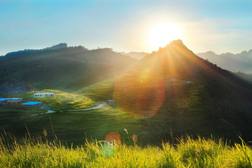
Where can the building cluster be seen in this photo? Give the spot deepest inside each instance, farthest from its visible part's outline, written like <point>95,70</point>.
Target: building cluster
<point>111,102</point>
<point>11,101</point>
<point>43,94</point>
<point>19,101</point>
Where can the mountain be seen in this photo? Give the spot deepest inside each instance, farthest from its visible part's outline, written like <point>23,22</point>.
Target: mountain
<point>137,55</point>
<point>173,91</point>
<point>63,68</point>
<point>233,62</point>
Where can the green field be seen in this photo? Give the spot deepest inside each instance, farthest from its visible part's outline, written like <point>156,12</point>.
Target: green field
<point>99,91</point>
<point>75,127</point>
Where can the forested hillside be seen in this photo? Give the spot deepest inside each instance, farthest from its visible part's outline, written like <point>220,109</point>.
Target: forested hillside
<point>65,69</point>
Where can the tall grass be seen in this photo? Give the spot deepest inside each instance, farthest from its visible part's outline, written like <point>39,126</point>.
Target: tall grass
<point>187,153</point>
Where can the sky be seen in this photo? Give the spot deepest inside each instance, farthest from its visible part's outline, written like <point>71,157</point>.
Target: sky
<point>204,25</point>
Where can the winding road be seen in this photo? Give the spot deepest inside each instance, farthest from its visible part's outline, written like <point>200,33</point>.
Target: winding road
<point>91,108</point>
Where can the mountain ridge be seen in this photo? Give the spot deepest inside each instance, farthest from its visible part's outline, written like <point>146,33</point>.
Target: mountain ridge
<point>234,62</point>
<point>66,68</point>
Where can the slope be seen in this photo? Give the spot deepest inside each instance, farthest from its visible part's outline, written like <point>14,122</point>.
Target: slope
<point>219,101</point>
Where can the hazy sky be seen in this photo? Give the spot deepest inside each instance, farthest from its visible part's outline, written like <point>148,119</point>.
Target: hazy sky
<point>216,25</point>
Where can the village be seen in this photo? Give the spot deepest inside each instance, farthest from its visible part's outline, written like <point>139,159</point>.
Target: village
<point>39,105</point>
<point>31,104</point>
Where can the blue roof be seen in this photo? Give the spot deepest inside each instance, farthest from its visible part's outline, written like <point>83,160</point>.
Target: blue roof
<point>2,99</point>
<point>31,103</point>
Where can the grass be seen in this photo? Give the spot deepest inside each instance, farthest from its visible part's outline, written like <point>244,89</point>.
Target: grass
<point>62,100</point>
<point>99,91</point>
<point>76,126</point>
<point>10,114</point>
<point>187,153</point>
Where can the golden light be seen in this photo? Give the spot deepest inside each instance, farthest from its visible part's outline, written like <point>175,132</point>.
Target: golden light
<point>161,34</point>
<point>139,93</point>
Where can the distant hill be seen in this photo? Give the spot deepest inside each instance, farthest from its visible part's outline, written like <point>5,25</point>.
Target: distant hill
<point>63,68</point>
<point>233,62</point>
<point>137,55</point>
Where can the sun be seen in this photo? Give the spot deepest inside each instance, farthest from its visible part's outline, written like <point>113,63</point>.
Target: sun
<point>161,34</point>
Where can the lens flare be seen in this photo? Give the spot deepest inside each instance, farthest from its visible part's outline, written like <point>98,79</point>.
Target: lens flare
<point>113,137</point>
<point>108,150</point>
<point>139,93</point>
<point>112,140</point>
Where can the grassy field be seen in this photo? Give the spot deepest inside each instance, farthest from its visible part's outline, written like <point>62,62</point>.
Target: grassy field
<point>10,114</point>
<point>196,153</point>
<point>75,127</point>
<point>100,91</point>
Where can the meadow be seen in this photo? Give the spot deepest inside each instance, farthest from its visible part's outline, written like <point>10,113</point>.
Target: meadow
<point>101,91</point>
<point>187,152</point>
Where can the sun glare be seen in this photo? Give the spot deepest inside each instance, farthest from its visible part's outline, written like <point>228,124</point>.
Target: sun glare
<point>162,34</point>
